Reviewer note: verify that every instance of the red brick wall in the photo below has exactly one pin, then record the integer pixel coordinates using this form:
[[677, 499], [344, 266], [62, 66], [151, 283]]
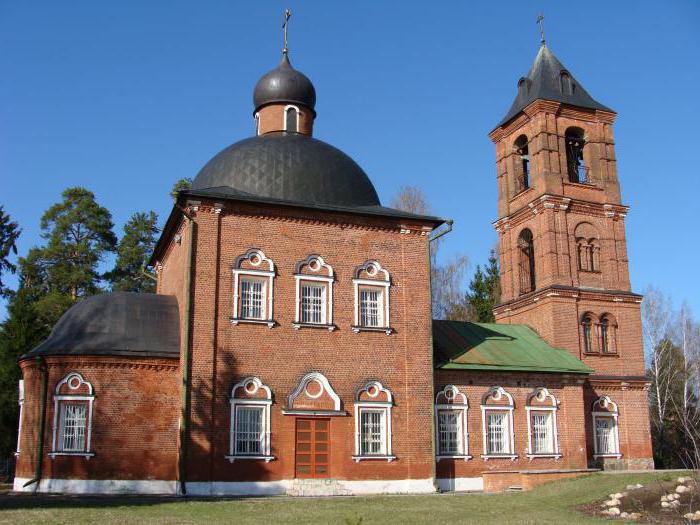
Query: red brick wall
[[568, 390], [135, 414], [222, 353]]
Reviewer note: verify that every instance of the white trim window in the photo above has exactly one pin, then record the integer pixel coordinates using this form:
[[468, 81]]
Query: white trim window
[[21, 414], [249, 433], [373, 405], [371, 284], [314, 294], [497, 424], [253, 280], [543, 440], [72, 419], [291, 118], [452, 437], [606, 439]]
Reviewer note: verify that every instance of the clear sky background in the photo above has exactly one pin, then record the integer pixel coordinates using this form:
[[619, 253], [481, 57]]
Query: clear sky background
[[127, 97]]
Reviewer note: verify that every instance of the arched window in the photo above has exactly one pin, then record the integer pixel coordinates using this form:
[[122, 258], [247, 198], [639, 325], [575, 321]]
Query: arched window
[[607, 442], [253, 279], [257, 123], [452, 436], [497, 424], [606, 330], [523, 85], [583, 255], [249, 432], [542, 424], [72, 417], [291, 119], [575, 142], [587, 332], [567, 87], [526, 258], [373, 405], [522, 166]]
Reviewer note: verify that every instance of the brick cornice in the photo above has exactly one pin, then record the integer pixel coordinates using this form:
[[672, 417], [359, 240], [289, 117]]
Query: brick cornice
[[569, 292]]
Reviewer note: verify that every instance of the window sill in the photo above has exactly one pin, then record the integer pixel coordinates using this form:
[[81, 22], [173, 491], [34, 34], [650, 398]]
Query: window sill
[[602, 354], [236, 320], [86, 455], [598, 456], [456, 456], [266, 459], [387, 329], [499, 456], [596, 272], [329, 327], [388, 459], [535, 456]]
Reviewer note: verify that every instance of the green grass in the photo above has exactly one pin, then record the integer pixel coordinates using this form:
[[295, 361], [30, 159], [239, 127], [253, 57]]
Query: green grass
[[552, 503]]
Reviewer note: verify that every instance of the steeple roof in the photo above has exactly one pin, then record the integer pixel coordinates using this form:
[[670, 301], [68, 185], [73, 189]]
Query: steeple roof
[[544, 81]]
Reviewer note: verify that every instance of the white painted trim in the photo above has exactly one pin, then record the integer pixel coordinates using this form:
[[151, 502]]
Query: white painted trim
[[541, 393], [458, 402], [380, 406], [372, 267], [21, 413], [98, 486], [496, 393], [327, 296], [325, 386], [268, 276], [68, 380], [460, 484], [284, 116], [251, 385], [605, 403]]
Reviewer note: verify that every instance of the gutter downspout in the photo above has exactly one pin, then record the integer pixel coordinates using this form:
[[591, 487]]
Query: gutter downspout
[[432, 238], [42, 423], [185, 399]]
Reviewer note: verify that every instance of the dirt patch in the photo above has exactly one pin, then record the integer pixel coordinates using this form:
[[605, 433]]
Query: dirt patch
[[646, 502]]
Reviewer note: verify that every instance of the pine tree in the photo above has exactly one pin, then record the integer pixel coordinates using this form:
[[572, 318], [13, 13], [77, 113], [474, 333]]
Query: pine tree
[[9, 232], [79, 234], [135, 246], [182, 184], [484, 291]]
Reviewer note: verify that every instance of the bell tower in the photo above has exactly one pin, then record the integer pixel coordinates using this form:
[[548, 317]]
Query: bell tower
[[561, 230]]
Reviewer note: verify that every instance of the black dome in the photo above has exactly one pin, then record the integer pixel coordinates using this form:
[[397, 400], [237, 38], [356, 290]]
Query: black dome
[[284, 84], [291, 167], [122, 323]]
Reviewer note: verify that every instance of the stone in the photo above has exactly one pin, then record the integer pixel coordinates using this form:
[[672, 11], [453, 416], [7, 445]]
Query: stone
[[675, 503], [635, 515], [664, 498], [624, 515], [612, 503], [680, 489], [665, 504], [612, 511], [684, 479]]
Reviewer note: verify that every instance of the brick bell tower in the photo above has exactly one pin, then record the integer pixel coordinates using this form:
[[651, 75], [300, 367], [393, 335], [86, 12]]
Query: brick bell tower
[[563, 252]]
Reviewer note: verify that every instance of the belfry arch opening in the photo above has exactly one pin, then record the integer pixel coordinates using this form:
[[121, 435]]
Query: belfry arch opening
[[526, 261], [575, 141], [522, 164]]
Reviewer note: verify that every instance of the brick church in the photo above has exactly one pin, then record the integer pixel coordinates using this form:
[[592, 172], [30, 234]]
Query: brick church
[[291, 338]]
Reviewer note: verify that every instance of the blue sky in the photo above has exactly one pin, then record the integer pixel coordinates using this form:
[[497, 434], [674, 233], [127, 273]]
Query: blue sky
[[126, 97]]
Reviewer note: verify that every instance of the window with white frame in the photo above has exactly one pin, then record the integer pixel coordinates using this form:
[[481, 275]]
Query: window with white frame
[[253, 278], [451, 423], [372, 283], [314, 293], [72, 432], [497, 423], [373, 405], [291, 118], [21, 414], [541, 410], [250, 421], [605, 425]]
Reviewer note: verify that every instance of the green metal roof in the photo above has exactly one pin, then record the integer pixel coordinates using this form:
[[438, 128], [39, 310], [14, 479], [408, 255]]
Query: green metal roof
[[491, 346]]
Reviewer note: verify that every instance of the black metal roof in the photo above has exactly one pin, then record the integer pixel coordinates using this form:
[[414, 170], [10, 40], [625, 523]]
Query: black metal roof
[[544, 82], [290, 167], [119, 324], [284, 84]]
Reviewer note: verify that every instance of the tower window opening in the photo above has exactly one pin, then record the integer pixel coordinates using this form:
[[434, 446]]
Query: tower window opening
[[522, 181], [606, 331], [588, 255], [526, 258], [567, 87], [587, 329], [291, 119], [575, 142]]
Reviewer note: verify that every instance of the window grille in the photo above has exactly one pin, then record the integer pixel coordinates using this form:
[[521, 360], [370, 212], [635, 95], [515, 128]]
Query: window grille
[[72, 427], [312, 307], [450, 432], [371, 307], [252, 299], [542, 433], [249, 430], [497, 433], [371, 432], [605, 435]]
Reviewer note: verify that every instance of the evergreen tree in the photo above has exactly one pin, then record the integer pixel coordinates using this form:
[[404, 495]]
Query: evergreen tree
[[484, 291], [19, 333], [79, 234], [9, 232], [182, 184], [135, 246]]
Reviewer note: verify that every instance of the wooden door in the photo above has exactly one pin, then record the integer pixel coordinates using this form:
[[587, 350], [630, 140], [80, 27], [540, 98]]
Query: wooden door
[[312, 448]]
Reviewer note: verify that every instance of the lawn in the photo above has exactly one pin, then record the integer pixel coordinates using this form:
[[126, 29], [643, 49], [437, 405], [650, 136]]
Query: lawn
[[551, 503]]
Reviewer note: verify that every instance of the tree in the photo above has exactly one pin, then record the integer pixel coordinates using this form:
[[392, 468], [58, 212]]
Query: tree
[[79, 234], [19, 333], [9, 232], [135, 246], [182, 184], [447, 280], [484, 291]]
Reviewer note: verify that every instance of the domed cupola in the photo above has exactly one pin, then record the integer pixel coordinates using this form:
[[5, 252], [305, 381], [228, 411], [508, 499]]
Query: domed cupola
[[284, 85]]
